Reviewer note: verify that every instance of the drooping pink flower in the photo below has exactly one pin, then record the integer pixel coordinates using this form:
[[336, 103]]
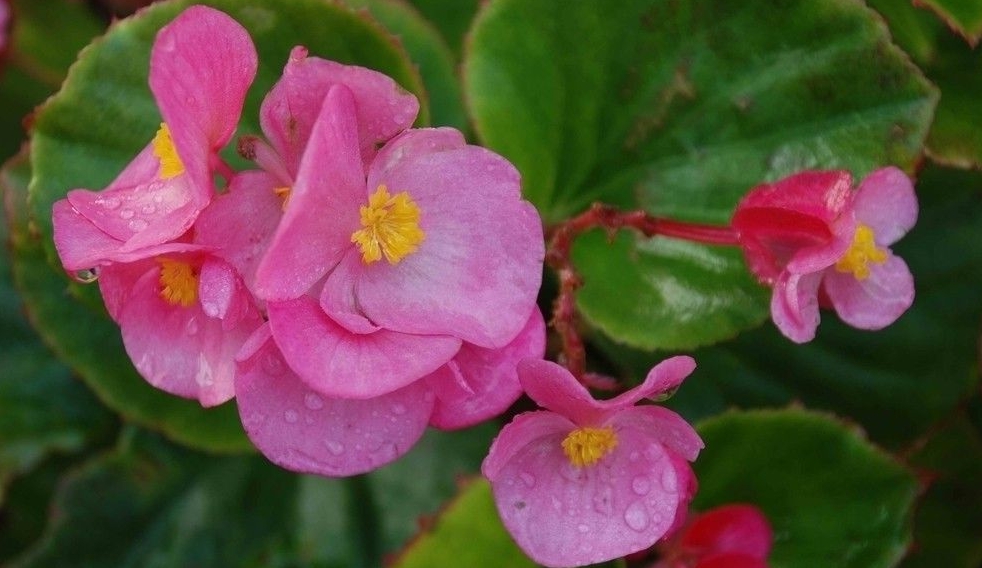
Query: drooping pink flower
[[183, 317], [586, 481], [818, 243], [375, 279], [731, 536], [201, 65]]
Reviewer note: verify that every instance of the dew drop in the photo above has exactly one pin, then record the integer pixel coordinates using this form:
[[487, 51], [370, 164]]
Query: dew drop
[[192, 326], [137, 225], [308, 420], [126, 214], [312, 401], [398, 409], [336, 448], [669, 481], [86, 275], [158, 198], [636, 516], [641, 485], [291, 416], [148, 209], [528, 479], [583, 528], [109, 203]]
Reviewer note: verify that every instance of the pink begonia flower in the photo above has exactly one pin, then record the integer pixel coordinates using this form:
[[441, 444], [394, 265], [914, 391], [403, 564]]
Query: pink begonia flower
[[586, 481], [201, 66], [183, 317], [730, 536], [818, 243], [304, 430], [375, 279], [287, 117]]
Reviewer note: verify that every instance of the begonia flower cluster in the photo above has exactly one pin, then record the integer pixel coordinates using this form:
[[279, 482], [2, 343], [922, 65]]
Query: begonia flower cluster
[[366, 279]]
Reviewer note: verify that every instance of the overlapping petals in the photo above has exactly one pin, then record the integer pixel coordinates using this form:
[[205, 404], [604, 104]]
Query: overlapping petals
[[587, 481]]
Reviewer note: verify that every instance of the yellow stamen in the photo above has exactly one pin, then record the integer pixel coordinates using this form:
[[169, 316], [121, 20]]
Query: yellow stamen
[[163, 148], [391, 227], [585, 446], [178, 282], [284, 194], [862, 252]]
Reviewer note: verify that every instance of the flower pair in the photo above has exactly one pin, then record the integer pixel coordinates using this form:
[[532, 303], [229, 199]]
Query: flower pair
[[368, 280], [820, 244]]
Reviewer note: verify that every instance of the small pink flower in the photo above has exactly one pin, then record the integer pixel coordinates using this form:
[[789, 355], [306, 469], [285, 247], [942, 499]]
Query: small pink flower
[[586, 481], [731, 536], [201, 65], [816, 242]]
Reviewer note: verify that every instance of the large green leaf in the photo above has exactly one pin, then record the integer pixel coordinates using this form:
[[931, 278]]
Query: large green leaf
[[832, 498], [452, 17], [896, 382], [962, 16], [98, 122], [680, 108]]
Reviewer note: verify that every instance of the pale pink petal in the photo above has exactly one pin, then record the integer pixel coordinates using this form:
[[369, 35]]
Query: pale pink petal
[[553, 387], [688, 486], [821, 256], [875, 302], [410, 144], [529, 428], [307, 432], [180, 350], [886, 203], [290, 110], [564, 515], [477, 272], [223, 295], [338, 295], [201, 66], [482, 383], [663, 425], [664, 377], [794, 306], [338, 363], [142, 170], [240, 223], [323, 210], [117, 281]]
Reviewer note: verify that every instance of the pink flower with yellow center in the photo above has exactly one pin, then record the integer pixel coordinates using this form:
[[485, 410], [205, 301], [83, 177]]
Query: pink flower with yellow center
[[201, 66], [586, 481], [818, 243]]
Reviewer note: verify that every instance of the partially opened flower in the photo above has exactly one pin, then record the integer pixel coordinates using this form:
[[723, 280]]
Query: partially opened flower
[[375, 279], [731, 536], [818, 243], [201, 65], [586, 481]]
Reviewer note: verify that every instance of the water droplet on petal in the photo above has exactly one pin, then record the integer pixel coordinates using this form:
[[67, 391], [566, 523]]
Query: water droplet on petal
[[137, 225], [86, 275], [528, 479], [108, 203], [398, 409], [636, 516], [641, 485], [669, 480], [312, 401], [148, 209], [291, 416], [126, 214], [388, 452], [158, 198], [583, 529], [192, 326], [336, 448]]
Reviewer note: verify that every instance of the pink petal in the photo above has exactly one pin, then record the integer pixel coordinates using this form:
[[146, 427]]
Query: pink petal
[[794, 306], [482, 383], [553, 387], [338, 298], [524, 430], [663, 378], [201, 66], [80, 244], [307, 432], [240, 223], [117, 281], [478, 270], [223, 295], [338, 363], [736, 528], [661, 424], [886, 203], [323, 210], [875, 302], [180, 350], [290, 110], [563, 515], [688, 485]]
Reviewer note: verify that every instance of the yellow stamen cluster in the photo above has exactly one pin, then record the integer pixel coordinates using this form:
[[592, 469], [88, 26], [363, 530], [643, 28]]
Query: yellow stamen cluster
[[163, 148], [178, 282], [390, 227], [585, 446], [862, 252]]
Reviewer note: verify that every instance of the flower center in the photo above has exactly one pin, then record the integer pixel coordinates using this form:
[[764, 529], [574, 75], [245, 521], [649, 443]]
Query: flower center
[[178, 282], [163, 148], [862, 251], [585, 446], [390, 227]]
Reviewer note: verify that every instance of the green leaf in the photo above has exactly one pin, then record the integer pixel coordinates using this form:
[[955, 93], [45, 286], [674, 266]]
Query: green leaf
[[896, 382], [87, 133], [81, 335], [428, 50], [949, 516], [679, 109], [467, 533], [956, 134], [452, 17], [832, 498], [962, 16]]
